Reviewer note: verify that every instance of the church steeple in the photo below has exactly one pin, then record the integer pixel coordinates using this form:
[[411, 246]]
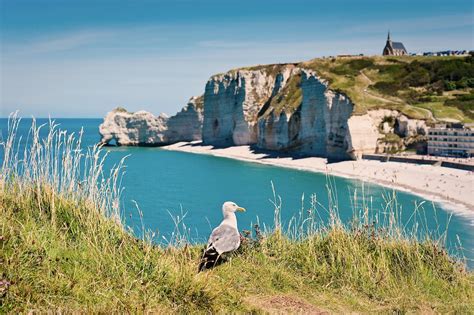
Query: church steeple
[[388, 36]]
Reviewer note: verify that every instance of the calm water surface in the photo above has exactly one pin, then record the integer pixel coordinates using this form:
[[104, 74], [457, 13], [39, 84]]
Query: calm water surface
[[166, 182]]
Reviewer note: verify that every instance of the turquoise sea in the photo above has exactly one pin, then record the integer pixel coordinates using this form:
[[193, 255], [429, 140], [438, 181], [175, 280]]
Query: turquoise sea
[[166, 183]]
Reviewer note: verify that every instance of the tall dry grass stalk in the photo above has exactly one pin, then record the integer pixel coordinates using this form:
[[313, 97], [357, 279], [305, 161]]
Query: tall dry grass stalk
[[382, 223], [58, 165]]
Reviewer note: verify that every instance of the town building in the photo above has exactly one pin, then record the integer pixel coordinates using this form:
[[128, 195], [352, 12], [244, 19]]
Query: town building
[[394, 48], [461, 53], [455, 140]]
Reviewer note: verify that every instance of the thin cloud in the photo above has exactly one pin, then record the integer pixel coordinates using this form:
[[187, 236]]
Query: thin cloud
[[63, 42], [408, 25], [225, 44]]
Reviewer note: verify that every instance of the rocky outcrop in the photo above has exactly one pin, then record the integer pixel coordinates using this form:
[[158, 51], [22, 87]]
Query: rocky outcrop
[[396, 131], [144, 129], [406, 127]]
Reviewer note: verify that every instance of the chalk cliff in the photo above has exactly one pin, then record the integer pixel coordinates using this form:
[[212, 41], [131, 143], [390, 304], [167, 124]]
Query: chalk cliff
[[314, 123], [283, 107], [233, 100], [144, 129], [186, 125]]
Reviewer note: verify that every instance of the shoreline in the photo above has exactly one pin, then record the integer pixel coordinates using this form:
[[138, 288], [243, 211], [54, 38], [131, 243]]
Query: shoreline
[[451, 187]]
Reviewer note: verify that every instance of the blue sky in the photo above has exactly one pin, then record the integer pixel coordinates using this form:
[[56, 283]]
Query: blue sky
[[69, 58]]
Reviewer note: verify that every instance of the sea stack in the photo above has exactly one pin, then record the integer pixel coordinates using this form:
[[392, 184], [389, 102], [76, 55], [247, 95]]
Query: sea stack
[[142, 128]]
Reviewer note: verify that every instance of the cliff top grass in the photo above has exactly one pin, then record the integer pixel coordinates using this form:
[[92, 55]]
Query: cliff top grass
[[64, 248], [199, 102], [420, 87], [270, 69], [120, 109]]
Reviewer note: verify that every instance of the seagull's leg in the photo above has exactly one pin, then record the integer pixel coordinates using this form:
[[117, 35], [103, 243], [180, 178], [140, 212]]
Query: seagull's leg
[[203, 261], [216, 261]]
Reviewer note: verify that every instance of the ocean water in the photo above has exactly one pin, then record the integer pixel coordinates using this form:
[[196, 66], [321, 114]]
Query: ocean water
[[166, 184]]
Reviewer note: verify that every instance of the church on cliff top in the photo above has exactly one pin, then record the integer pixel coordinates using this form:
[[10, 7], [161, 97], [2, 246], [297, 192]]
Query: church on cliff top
[[394, 48]]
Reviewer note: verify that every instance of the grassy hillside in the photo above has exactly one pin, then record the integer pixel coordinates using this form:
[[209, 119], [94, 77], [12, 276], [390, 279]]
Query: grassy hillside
[[64, 248], [70, 261], [420, 87]]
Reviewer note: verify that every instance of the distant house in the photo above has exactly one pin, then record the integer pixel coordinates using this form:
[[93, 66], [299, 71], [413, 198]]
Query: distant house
[[394, 48]]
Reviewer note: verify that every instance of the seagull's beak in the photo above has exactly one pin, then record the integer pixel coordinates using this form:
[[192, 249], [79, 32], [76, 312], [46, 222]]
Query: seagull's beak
[[240, 209]]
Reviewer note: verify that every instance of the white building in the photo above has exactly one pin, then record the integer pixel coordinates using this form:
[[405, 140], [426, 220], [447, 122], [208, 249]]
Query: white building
[[456, 140]]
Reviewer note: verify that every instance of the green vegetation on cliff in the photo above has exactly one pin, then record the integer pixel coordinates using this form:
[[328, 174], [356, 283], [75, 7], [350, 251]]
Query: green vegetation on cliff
[[271, 69], [63, 248], [289, 98], [199, 102], [420, 87]]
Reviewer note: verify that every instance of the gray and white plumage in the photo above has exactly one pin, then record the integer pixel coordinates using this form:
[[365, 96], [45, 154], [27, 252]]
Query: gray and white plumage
[[224, 238]]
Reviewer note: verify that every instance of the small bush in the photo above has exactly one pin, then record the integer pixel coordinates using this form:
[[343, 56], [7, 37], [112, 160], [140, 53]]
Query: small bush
[[465, 83], [392, 138], [352, 67], [390, 88], [449, 85], [418, 77]]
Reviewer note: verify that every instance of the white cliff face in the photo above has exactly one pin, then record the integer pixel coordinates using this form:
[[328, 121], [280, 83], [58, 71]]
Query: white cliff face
[[144, 129], [273, 132], [319, 126], [232, 102], [366, 130], [140, 128], [187, 124], [362, 136]]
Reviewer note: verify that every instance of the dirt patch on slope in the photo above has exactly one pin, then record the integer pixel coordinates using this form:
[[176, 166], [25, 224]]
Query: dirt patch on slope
[[284, 304]]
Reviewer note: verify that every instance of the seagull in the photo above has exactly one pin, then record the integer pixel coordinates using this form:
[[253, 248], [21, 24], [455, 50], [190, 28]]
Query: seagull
[[224, 238]]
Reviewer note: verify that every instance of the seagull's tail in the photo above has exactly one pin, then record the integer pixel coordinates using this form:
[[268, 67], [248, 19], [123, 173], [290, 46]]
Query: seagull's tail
[[210, 258]]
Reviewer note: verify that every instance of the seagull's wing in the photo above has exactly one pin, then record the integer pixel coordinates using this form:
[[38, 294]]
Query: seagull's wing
[[224, 239]]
